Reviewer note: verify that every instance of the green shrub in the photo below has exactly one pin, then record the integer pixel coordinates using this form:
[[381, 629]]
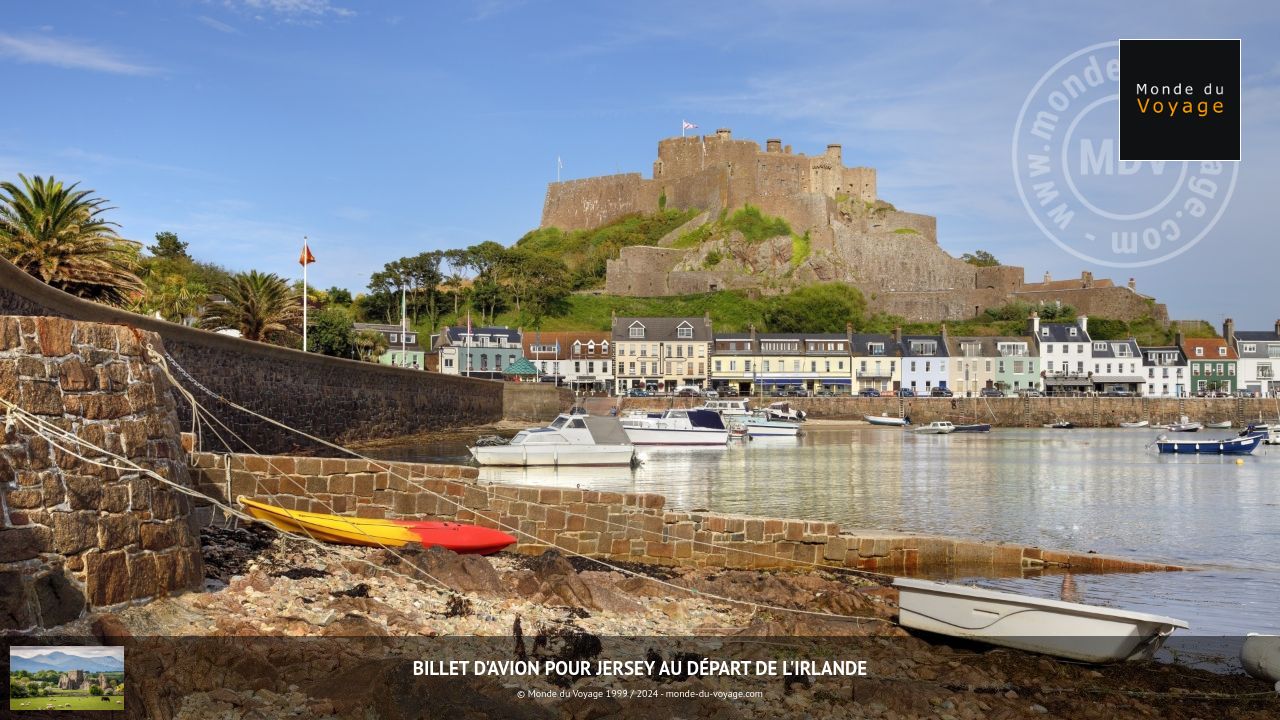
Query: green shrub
[[712, 259], [799, 249], [755, 226]]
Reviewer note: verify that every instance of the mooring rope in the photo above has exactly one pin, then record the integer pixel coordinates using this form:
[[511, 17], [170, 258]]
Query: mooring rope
[[163, 364]]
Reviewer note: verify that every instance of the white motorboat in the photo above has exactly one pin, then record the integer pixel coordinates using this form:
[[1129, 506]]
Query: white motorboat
[[571, 439], [1135, 424], [1270, 433], [728, 408], [675, 427], [1260, 657], [1074, 631], [761, 424], [937, 427], [886, 420], [1219, 425], [784, 411]]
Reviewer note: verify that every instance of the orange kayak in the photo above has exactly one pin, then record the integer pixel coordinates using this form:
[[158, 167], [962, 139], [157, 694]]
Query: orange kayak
[[380, 532]]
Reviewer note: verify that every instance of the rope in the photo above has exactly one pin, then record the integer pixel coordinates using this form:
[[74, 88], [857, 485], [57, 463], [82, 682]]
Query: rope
[[390, 470], [45, 430]]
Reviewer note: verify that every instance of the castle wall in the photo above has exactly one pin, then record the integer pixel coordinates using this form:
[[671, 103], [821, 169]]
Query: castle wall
[[592, 202], [641, 271], [1111, 302]]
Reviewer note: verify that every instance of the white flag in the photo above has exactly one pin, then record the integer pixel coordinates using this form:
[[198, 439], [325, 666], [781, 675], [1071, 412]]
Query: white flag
[[686, 125], [559, 163]]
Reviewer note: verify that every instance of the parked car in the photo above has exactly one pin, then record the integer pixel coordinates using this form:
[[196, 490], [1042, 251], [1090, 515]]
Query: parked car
[[1117, 393], [795, 392], [940, 392], [688, 391], [638, 392], [869, 392], [711, 394], [823, 393], [1030, 393], [729, 392], [905, 392], [991, 392]]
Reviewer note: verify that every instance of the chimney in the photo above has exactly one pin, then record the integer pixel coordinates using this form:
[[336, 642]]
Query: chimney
[[786, 150], [848, 333], [773, 145], [1083, 323], [943, 330], [1177, 338], [1033, 323], [1278, 327], [752, 328], [1086, 278], [1229, 331], [897, 334]]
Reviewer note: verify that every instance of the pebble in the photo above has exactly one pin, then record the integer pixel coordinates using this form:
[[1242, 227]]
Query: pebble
[[1039, 709]]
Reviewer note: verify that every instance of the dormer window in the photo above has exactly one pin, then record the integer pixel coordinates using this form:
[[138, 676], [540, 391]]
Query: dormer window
[[604, 346], [1044, 332], [636, 330], [876, 348], [1222, 352], [684, 331], [1073, 332], [1099, 347], [1199, 352]]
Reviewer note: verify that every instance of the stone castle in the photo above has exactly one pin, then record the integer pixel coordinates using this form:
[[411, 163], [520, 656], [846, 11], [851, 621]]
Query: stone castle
[[852, 236], [81, 680]]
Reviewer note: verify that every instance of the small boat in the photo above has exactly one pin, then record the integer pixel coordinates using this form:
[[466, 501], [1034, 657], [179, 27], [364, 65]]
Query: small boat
[[973, 428], [1135, 424], [1059, 425], [784, 411], [571, 439], [1239, 445], [1260, 657], [379, 532], [887, 421], [1270, 433], [1074, 631], [675, 427], [762, 424], [1184, 424], [937, 427], [1219, 425]]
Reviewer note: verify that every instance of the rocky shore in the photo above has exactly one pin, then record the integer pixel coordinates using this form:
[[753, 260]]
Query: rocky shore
[[288, 629]]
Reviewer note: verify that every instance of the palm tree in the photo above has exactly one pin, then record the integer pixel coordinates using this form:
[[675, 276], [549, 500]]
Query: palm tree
[[454, 284], [57, 233], [256, 304], [371, 344]]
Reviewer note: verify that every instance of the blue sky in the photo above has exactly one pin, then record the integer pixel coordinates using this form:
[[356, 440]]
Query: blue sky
[[382, 129]]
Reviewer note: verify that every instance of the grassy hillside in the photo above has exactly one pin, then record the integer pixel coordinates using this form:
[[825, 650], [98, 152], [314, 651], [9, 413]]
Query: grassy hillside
[[729, 310], [584, 252]]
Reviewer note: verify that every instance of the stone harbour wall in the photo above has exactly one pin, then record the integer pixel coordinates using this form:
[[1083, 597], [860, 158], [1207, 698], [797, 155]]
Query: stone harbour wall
[[1101, 412], [617, 526], [75, 536], [336, 399]]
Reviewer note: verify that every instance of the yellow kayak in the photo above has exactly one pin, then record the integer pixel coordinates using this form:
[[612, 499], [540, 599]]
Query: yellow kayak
[[380, 532]]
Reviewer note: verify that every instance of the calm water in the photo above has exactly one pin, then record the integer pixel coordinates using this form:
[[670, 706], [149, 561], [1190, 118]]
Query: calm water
[[1083, 490]]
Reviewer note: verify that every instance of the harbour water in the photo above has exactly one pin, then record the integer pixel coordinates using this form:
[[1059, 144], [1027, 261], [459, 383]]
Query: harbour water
[[1088, 490]]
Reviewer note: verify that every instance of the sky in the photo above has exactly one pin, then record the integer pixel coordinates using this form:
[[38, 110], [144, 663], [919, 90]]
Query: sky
[[383, 129]]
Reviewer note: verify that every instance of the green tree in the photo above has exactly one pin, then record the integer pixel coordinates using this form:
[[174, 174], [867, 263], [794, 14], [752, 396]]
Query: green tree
[[339, 296], [94, 690], [981, 258], [536, 280], [331, 332], [59, 235], [824, 307], [370, 344], [261, 306], [169, 247]]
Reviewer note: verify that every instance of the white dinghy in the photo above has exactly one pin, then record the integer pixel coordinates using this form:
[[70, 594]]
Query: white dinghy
[[1087, 633], [1260, 657]]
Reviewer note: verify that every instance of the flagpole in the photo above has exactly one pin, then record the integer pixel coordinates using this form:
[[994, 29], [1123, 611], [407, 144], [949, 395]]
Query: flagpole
[[558, 166], [304, 293], [404, 359]]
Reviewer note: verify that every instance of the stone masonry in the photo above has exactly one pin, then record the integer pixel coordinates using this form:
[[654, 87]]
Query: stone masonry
[[610, 525], [854, 237], [76, 536]]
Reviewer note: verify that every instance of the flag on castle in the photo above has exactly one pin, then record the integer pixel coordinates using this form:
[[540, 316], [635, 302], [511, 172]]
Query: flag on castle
[[686, 125], [306, 258]]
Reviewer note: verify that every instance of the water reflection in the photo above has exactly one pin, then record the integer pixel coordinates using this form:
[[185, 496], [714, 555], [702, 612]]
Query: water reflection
[[1099, 490]]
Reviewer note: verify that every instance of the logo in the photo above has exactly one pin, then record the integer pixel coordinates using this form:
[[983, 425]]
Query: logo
[[1075, 187]]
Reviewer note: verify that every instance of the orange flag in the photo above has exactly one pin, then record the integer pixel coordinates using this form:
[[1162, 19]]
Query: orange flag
[[306, 258]]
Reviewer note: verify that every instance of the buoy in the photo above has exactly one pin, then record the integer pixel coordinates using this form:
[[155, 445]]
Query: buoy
[[1239, 461]]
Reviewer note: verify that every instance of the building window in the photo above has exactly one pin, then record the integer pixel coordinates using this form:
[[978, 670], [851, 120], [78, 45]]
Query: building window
[[1222, 352], [717, 366], [1199, 352], [1099, 347], [395, 337], [1264, 371], [766, 365], [577, 367], [684, 332], [1249, 348], [637, 331], [1048, 348]]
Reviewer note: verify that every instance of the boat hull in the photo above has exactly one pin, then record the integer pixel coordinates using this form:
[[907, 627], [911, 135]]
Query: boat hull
[[1260, 657], [1133, 425], [1230, 446], [380, 532], [973, 428], [885, 420], [1067, 630], [553, 455], [669, 436]]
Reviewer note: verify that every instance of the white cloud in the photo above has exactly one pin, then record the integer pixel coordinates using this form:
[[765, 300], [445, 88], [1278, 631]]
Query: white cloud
[[45, 50], [217, 25], [292, 11]]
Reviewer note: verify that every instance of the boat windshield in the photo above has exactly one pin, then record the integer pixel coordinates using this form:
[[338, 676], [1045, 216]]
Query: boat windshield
[[560, 421]]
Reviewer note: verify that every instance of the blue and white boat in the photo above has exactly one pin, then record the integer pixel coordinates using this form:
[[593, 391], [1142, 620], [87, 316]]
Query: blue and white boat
[[1240, 445], [762, 424], [675, 427]]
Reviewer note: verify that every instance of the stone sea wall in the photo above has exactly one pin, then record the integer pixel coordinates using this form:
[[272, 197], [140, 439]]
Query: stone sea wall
[[336, 399], [611, 525], [75, 536], [1013, 412]]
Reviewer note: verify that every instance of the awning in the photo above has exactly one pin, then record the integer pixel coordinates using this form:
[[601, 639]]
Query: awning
[[837, 381], [1118, 379], [1068, 381]]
